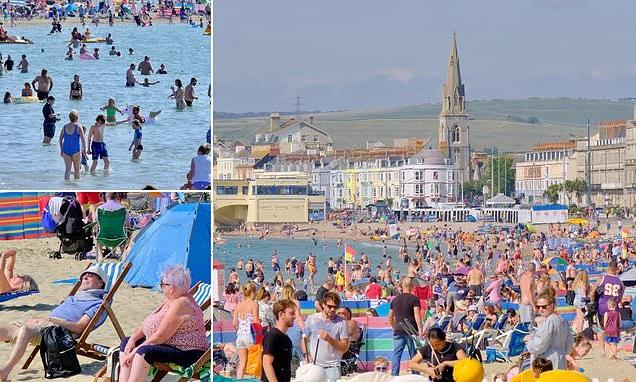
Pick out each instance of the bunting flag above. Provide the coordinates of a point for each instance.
(349, 253)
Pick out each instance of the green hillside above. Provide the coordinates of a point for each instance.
(493, 123)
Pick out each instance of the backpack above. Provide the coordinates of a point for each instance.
(47, 221)
(57, 350)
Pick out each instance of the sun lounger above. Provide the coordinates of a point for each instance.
(10, 296)
(116, 273)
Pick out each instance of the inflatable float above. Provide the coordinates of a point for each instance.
(18, 41)
(86, 56)
(25, 99)
(92, 40)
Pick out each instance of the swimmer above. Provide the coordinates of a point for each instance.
(109, 39)
(147, 83)
(72, 145)
(96, 144)
(178, 94)
(96, 53)
(27, 91)
(76, 93)
(87, 34)
(145, 67)
(135, 114)
(69, 54)
(111, 108)
(189, 92)
(24, 64)
(113, 52)
(8, 98)
(135, 145)
(162, 69)
(83, 49)
(130, 76)
(131, 51)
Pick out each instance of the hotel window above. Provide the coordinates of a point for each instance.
(303, 138)
(418, 175)
(289, 138)
(316, 139)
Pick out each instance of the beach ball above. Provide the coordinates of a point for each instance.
(468, 370)
(562, 375)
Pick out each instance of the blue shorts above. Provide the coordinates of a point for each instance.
(99, 150)
(201, 185)
(612, 340)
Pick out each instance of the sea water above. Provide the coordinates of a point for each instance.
(235, 248)
(169, 144)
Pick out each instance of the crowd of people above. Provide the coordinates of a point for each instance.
(446, 273)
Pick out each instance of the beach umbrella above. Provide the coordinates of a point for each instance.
(557, 263)
(577, 221)
(629, 277)
(554, 275)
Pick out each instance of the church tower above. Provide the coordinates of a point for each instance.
(454, 137)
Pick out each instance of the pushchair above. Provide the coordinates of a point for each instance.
(351, 358)
(75, 236)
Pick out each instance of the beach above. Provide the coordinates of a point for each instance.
(594, 364)
(131, 305)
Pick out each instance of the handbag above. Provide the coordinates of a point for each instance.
(254, 361)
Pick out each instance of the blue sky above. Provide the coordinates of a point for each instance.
(356, 54)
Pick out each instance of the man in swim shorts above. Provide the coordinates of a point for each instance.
(97, 144)
(130, 76)
(189, 96)
(44, 85)
(50, 117)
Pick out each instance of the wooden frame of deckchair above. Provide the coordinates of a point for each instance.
(82, 347)
(205, 305)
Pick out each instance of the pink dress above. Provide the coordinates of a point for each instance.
(190, 335)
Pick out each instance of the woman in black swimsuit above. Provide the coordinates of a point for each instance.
(76, 92)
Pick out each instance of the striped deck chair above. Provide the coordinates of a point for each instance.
(476, 324)
(10, 296)
(116, 273)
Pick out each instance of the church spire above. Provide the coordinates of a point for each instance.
(453, 90)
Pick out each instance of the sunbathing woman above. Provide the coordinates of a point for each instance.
(9, 282)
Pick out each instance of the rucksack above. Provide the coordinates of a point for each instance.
(57, 350)
(48, 223)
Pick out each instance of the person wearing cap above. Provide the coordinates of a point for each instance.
(74, 314)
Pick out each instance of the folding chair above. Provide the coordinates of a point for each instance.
(513, 344)
(476, 324)
(111, 229)
(443, 322)
(116, 273)
(483, 335)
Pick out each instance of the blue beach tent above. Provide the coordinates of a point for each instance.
(181, 235)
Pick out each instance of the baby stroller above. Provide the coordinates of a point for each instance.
(75, 237)
(350, 359)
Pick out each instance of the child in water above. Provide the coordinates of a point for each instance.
(8, 98)
(69, 54)
(111, 108)
(136, 145)
(147, 82)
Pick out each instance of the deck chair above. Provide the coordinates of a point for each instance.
(476, 324)
(111, 226)
(10, 296)
(513, 345)
(116, 273)
(201, 293)
(482, 336)
(443, 322)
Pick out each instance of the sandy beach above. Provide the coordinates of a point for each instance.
(131, 305)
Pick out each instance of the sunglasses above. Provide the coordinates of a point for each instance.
(381, 368)
(331, 306)
(543, 306)
(162, 284)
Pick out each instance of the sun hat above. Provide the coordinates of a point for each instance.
(95, 269)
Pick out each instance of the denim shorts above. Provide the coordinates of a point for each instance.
(612, 340)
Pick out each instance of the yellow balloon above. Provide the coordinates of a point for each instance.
(562, 375)
(468, 370)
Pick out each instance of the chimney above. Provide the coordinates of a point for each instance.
(274, 122)
(311, 117)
